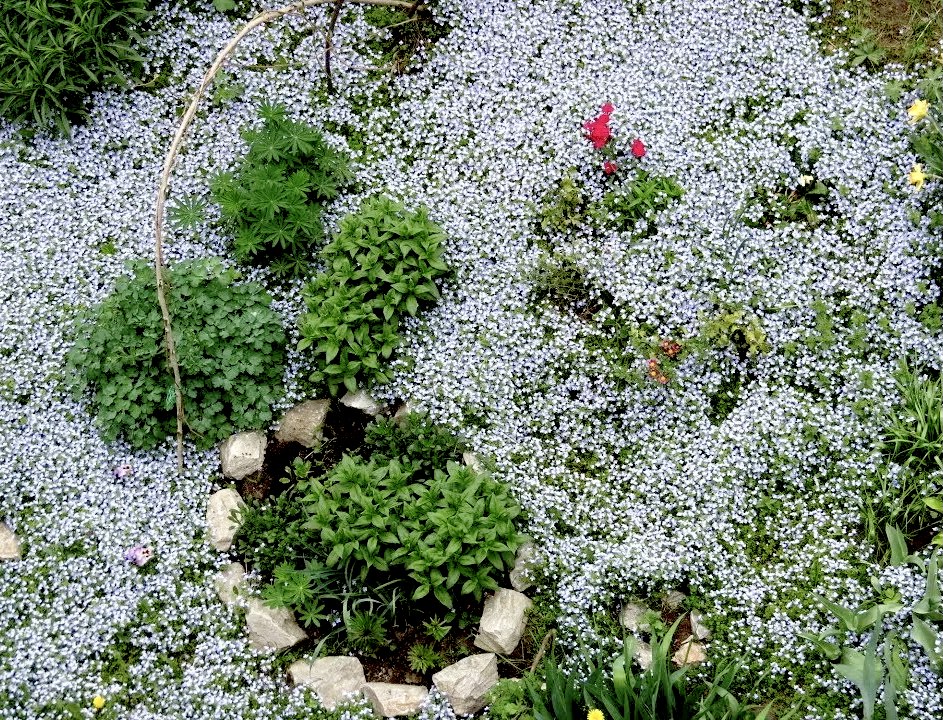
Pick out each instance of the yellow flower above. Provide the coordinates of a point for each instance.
(595, 714)
(918, 111)
(917, 176)
(805, 180)
(98, 702)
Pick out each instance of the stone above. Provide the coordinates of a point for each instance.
(361, 400)
(634, 618)
(272, 627)
(230, 583)
(402, 413)
(9, 543)
(502, 621)
(525, 565)
(675, 600)
(332, 678)
(642, 655)
(242, 454)
(472, 461)
(467, 682)
(304, 423)
(392, 700)
(698, 628)
(219, 508)
(690, 653)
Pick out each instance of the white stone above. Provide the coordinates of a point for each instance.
(473, 461)
(634, 618)
(219, 509)
(698, 628)
(675, 600)
(230, 583)
(502, 621)
(272, 627)
(690, 653)
(304, 423)
(9, 543)
(332, 678)
(525, 565)
(242, 454)
(392, 700)
(467, 682)
(361, 400)
(642, 655)
(403, 413)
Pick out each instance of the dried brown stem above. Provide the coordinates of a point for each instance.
(172, 153)
(329, 44)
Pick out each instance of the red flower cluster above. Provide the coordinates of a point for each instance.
(638, 148)
(597, 131)
(670, 348)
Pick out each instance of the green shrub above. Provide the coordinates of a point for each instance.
(271, 532)
(378, 521)
(384, 261)
(230, 348)
(638, 199)
(414, 441)
(275, 199)
(564, 207)
(53, 52)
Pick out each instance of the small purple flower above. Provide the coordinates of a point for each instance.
(122, 471)
(139, 555)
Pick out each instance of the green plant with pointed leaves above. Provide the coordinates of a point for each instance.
(54, 52)
(274, 200)
(383, 263)
(423, 658)
(229, 342)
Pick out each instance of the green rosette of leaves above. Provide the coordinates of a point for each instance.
(230, 347)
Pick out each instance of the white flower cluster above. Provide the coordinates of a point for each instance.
(630, 488)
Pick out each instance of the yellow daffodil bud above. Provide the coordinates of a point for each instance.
(98, 702)
(918, 111)
(917, 176)
(595, 714)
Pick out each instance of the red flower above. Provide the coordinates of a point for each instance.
(638, 148)
(609, 167)
(597, 131)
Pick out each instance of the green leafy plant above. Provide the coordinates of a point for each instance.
(366, 630)
(271, 533)
(636, 200)
(733, 326)
(230, 348)
(661, 692)
(866, 50)
(305, 591)
(436, 628)
(52, 53)
(274, 201)
(510, 700)
(423, 658)
(564, 207)
(456, 526)
(383, 262)
(558, 697)
(415, 441)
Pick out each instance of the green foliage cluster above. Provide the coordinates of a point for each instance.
(451, 534)
(801, 204)
(275, 199)
(637, 199)
(659, 692)
(230, 348)
(881, 664)
(564, 208)
(408, 523)
(423, 658)
(383, 262)
(734, 327)
(53, 52)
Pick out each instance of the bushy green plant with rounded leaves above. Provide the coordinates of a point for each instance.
(383, 262)
(452, 534)
(275, 199)
(415, 441)
(230, 348)
(53, 52)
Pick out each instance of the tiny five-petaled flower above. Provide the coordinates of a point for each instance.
(918, 111)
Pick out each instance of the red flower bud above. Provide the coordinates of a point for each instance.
(609, 167)
(638, 148)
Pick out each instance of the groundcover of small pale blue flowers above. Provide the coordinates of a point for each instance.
(629, 488)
